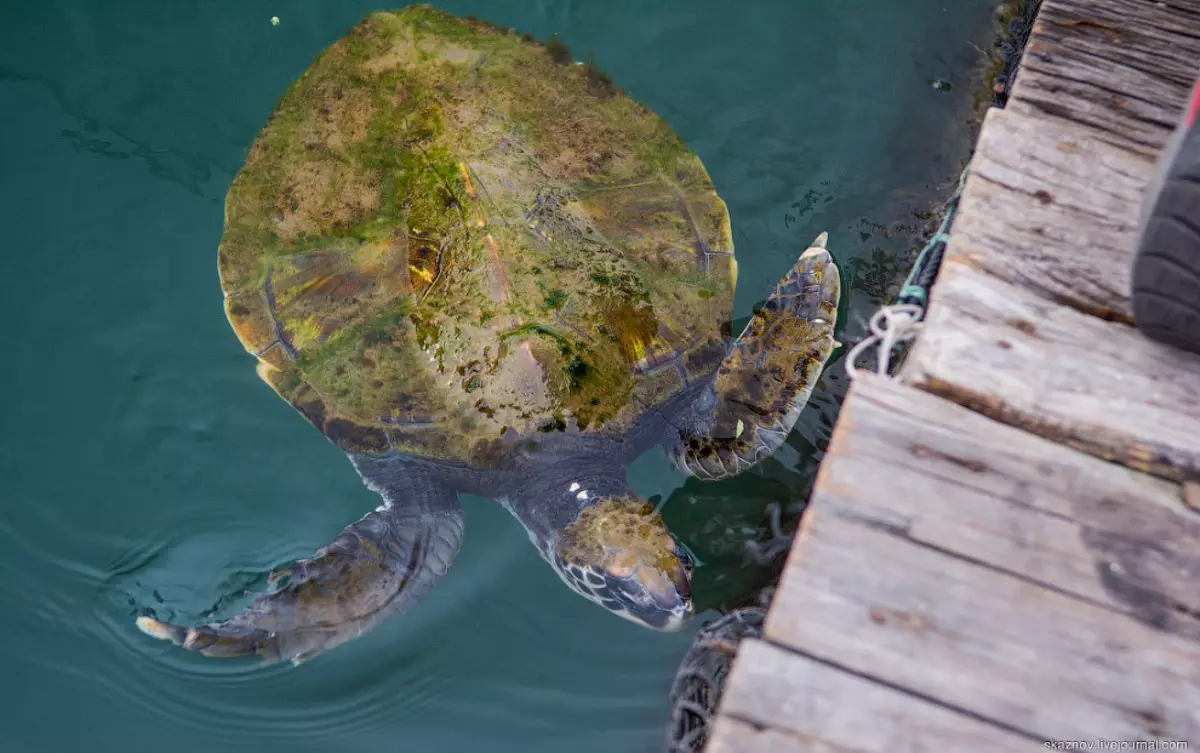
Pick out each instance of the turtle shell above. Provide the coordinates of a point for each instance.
(450, 238)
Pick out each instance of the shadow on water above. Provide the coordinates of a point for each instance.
(143, 465)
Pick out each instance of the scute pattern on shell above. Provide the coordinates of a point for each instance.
(446, 242)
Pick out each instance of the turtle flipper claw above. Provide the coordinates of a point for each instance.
(162, 630)
(203, 639)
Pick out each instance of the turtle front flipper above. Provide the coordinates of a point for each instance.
(374, 569)
(766, 379)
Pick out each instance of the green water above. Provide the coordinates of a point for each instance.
(143, 465)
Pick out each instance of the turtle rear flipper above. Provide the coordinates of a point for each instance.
(375, 568)
(766, 379)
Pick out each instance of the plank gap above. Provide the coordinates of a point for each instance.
(908, 691)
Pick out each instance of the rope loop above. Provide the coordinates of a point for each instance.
(898, 323)
(890, 326)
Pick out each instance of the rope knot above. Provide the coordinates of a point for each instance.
(890, 326)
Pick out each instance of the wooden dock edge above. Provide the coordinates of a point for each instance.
(969, 582)
(997, 554)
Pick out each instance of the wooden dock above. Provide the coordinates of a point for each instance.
(1003, 545)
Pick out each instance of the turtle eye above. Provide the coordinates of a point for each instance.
(686, 562)
(658, 599)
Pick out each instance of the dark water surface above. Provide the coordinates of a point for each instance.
(143, 464)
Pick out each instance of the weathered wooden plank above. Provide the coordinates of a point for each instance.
(1012, 652)
(989, 493)
(1053, 209)
(1095, 385)
(789, 699)
(1120, 68)
(731, 735)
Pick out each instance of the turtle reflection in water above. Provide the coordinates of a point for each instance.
(477, 267)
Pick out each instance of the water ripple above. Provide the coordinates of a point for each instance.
(245, 696)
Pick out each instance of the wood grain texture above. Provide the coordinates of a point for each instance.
(731, 735)
(1095, 385)
(985, 492)
(779, 700)
(999, 647)
(1053, 209)
(1119, 68)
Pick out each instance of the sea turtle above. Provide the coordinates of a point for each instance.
(477, 266)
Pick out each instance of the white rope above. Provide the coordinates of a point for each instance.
(890, 326)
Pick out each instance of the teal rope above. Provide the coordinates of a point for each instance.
(929, 261)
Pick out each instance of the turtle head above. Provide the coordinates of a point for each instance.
(619, 554)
